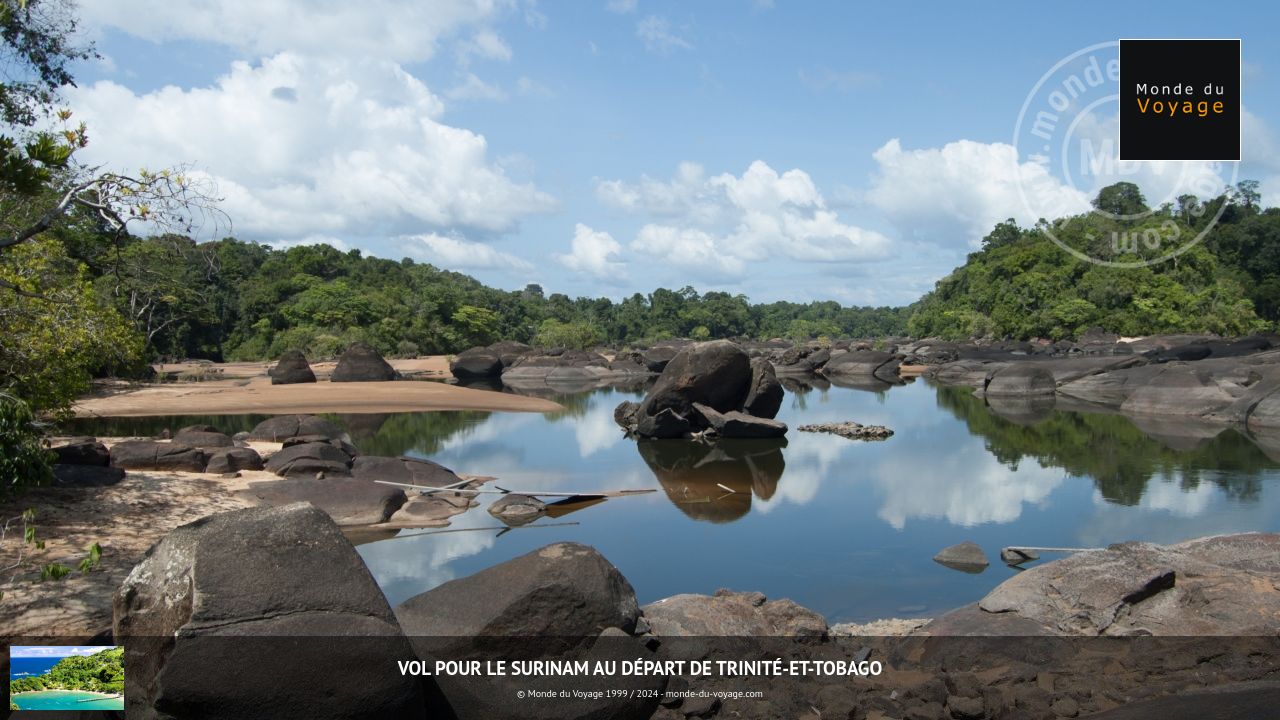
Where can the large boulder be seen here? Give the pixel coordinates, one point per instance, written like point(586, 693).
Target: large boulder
point(292, 368)
point(656, 358)
point(82, 451)
point(864, 362)
point(202, 436)
point(1021, 380)
point(361, 363)
point(235, 459)
point(737, 425)
point(153, 455)
point(1216, 586)
point(716, 374)
point(283, 427)
point(1265, 414)
point(307, 459)
point(346, 500)
point(476, 363)
point(732, 614)
point(1110, 388)
point(1181, 390)
point(565, 593)
point(508, 351)
point(278, 590)
point(764, 398)
point(411, 471)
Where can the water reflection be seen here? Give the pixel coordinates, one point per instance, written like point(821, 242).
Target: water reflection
point(715, 482)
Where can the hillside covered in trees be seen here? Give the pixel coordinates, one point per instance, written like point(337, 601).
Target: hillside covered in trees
point(101, 672)
point(1021, 285)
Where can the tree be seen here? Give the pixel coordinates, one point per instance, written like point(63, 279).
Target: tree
point(1122, 199)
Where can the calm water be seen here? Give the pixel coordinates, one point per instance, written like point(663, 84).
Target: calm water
point(844, 527)
point(66, 700)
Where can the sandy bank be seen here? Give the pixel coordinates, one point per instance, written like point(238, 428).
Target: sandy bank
point(259, 396)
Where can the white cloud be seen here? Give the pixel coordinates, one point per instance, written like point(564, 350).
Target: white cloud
point(456, 253)
point(621, 6)
point(721, 223)
point(485, 44)
point(656, 32)
point(593, 253)
point(301, 146)
point(383, 29)
point(960, 191)
point(473, 88)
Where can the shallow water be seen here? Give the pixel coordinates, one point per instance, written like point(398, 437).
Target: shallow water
point(66, 700)
point(847, 528)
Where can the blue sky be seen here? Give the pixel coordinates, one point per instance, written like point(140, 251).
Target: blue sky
point(608, 147)
point(59, 651)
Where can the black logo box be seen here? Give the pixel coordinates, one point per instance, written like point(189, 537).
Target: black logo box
point(1181, 65)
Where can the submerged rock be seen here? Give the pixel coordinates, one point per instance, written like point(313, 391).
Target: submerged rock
point(517, 509)
point(850, 430)
point(965, 557)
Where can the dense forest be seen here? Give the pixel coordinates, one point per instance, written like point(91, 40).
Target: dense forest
point(1020, 285)
point(101, 672)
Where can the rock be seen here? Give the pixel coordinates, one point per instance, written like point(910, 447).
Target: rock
point(730, 614)
point(1110, 388)
point(65, 475)
point(478, 362)
point(199, 437)
point(283, 427)
point(411, 471)
point(1224, 702)
point(216, 592)
point(864, 362)
point(1184, 353)
point(361, 363)
point(346, 500)
point(1217, 586)
point(152, 455)
point(1021, 379)
point(717, 374)
point(1065, 707)
point(737, 425)
point(1183, 391)
point(517, 509)
point(309, 458)
point(656, 358)
point(966, 708)
point(565, 593)
point(230, 460)
point(851, 430)
point(82, 451)
point(965, 557)
point(764, 398)
point(1096, 335)
point(665, 425)
point(292, 368)
point(508, 351)
point(625, 415)
point(699, 706)
point(1018, 556)
point(339, 443)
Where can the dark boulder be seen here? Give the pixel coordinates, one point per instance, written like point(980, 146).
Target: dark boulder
point(308, 459)
point(565, 593)
point(478, 362)
point(764, 399)
point(508, 351)
point(82, 451)
point(231, 460)
point(1185, 391)
point(283, 427)
point(410, 471)
point(666, 425)
point(291, 369)
point(361, 363)
point(85, 475)
point(656, 358)
point(347, 501)
point(737, 425)
point(268, 588)
point(199, 436)
point(339, 443)
point(864, 362)
point(1020, 380)
point(152, 455)
point(1184, 353)
point(625, 414)
point(716, 374)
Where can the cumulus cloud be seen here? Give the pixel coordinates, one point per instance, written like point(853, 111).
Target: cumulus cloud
point(451, 252)
point(656, 32)
point(387, 29)
point(486, 44)
point(721, 223)
point(960, 191)
point(301, 146)
point(592, 253)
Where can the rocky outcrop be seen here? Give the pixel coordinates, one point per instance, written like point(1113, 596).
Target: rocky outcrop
point(411, 471)
point(154, 455)
point(850, 430)
point(706, 386)
point(292, 368)
point(764, 398)
point(476, 363)
point(344, 499)
point(231, 586)
point(732, 614)
point(361, 363)
point(283, 427)
point(1021, 380)
point(1184, 391)
point(870, 363)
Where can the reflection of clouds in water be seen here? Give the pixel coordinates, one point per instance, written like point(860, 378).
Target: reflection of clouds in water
point(967, 487)
point(494, 427)
point(404, 568)
point(1161, 517)
point(810, 457)
point(596, 430)
point(1170, 496)
point(906, 408)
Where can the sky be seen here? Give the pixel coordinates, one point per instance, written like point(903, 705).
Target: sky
point(784, 150)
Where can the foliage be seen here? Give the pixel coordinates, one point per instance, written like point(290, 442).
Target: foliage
point(573, 335)
point(1021, 286)
point(23, 459)
point(101, 672)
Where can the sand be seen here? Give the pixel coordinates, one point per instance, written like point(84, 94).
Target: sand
point(245, 389)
